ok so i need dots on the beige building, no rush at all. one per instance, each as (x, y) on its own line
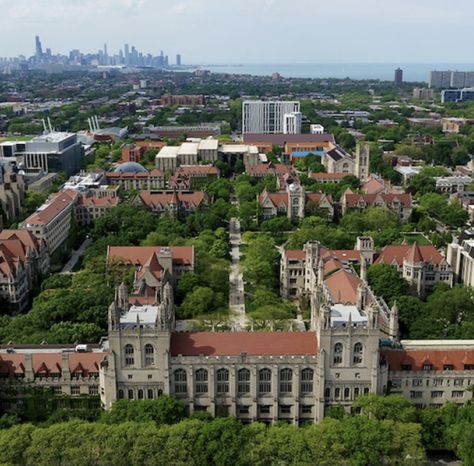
(399, 204)
(24, 259)
(137, 180)
(293, 202)
(12, 193)
(52, 221)
(421, 266)
(337, 160)
(460, 257)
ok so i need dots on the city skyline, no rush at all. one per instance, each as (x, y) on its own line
(249, 32)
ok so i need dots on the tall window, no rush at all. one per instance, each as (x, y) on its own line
(222, 378)
(140, 394)
(180, 385)
(243, 381)
(150, 394)
(286, 377)
(307, 376)
(129, 352)
(201, 379)
(120, 394)
(338, 353)
(264, 381)
(149, 355)
(130, 394)
(358, 353)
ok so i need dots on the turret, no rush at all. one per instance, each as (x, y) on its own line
(393, 324)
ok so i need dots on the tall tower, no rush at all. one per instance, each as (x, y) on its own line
(362, 162)
(178, 59)
(398, 77)
(38, 48)
(296, 197)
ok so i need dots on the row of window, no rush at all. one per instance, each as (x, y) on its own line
(429, 367)
(264, 381)
(140, 394)
(345, 393)
(437, 394)
(75, 390)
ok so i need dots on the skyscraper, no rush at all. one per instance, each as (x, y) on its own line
(127, 54)
(39, 49)
(398, 77)
(178, 60)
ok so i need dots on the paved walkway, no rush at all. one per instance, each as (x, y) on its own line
(236, 291)
(76, 255)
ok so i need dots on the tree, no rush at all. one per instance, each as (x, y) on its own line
(163, 410)
(200, 301)
(391, 407)
(386, 282)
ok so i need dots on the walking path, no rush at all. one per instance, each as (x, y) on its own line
(236, 291)
(76, 255)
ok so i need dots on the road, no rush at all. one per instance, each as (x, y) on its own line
(71, 263)
(236, 280)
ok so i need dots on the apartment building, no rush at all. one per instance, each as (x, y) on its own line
(268, 117)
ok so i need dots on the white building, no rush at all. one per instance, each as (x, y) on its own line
(292, 123)
(266, 117)
(316, 129)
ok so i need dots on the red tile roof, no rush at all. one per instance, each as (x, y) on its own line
(197, 170)
(94, 201)
(14, 363)
(296, 254)
(328, 176)
(140, 255)
(52, 209)
(190, 200)
(235, 343)
(417, 358)
(343, 287)
(395, 254)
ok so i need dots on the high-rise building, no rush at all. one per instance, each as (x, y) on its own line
(457, 95)
(423, 93)
(39, 49)
(266, 117)
(451, 79)
(178, 60)
(398, 77)
(292, 123)
(127, 54)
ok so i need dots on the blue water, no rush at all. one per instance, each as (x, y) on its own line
(383, 71)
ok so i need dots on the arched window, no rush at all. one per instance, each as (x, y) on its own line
(129, 352)
(307, 376)
(356, 392)
(358, 353)
(201, 378)
(222, 379)
(286, 378)
(130, 394)
(140, 394)
(150, 394)
(264, 381)
(243, 381)
(327, 392)
(337, 393)
(180, 385)
(149, 355)
(338, 349)
(347, 393)
(120, 394)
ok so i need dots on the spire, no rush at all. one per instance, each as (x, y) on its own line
(363, 269)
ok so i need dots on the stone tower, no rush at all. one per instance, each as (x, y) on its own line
(362, 161)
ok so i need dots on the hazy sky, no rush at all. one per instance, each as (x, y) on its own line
(248, 31)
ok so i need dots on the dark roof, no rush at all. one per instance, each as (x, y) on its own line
(282, 139)
(337, 153)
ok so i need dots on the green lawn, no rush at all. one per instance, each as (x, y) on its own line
(419, 238)
(16, 138)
